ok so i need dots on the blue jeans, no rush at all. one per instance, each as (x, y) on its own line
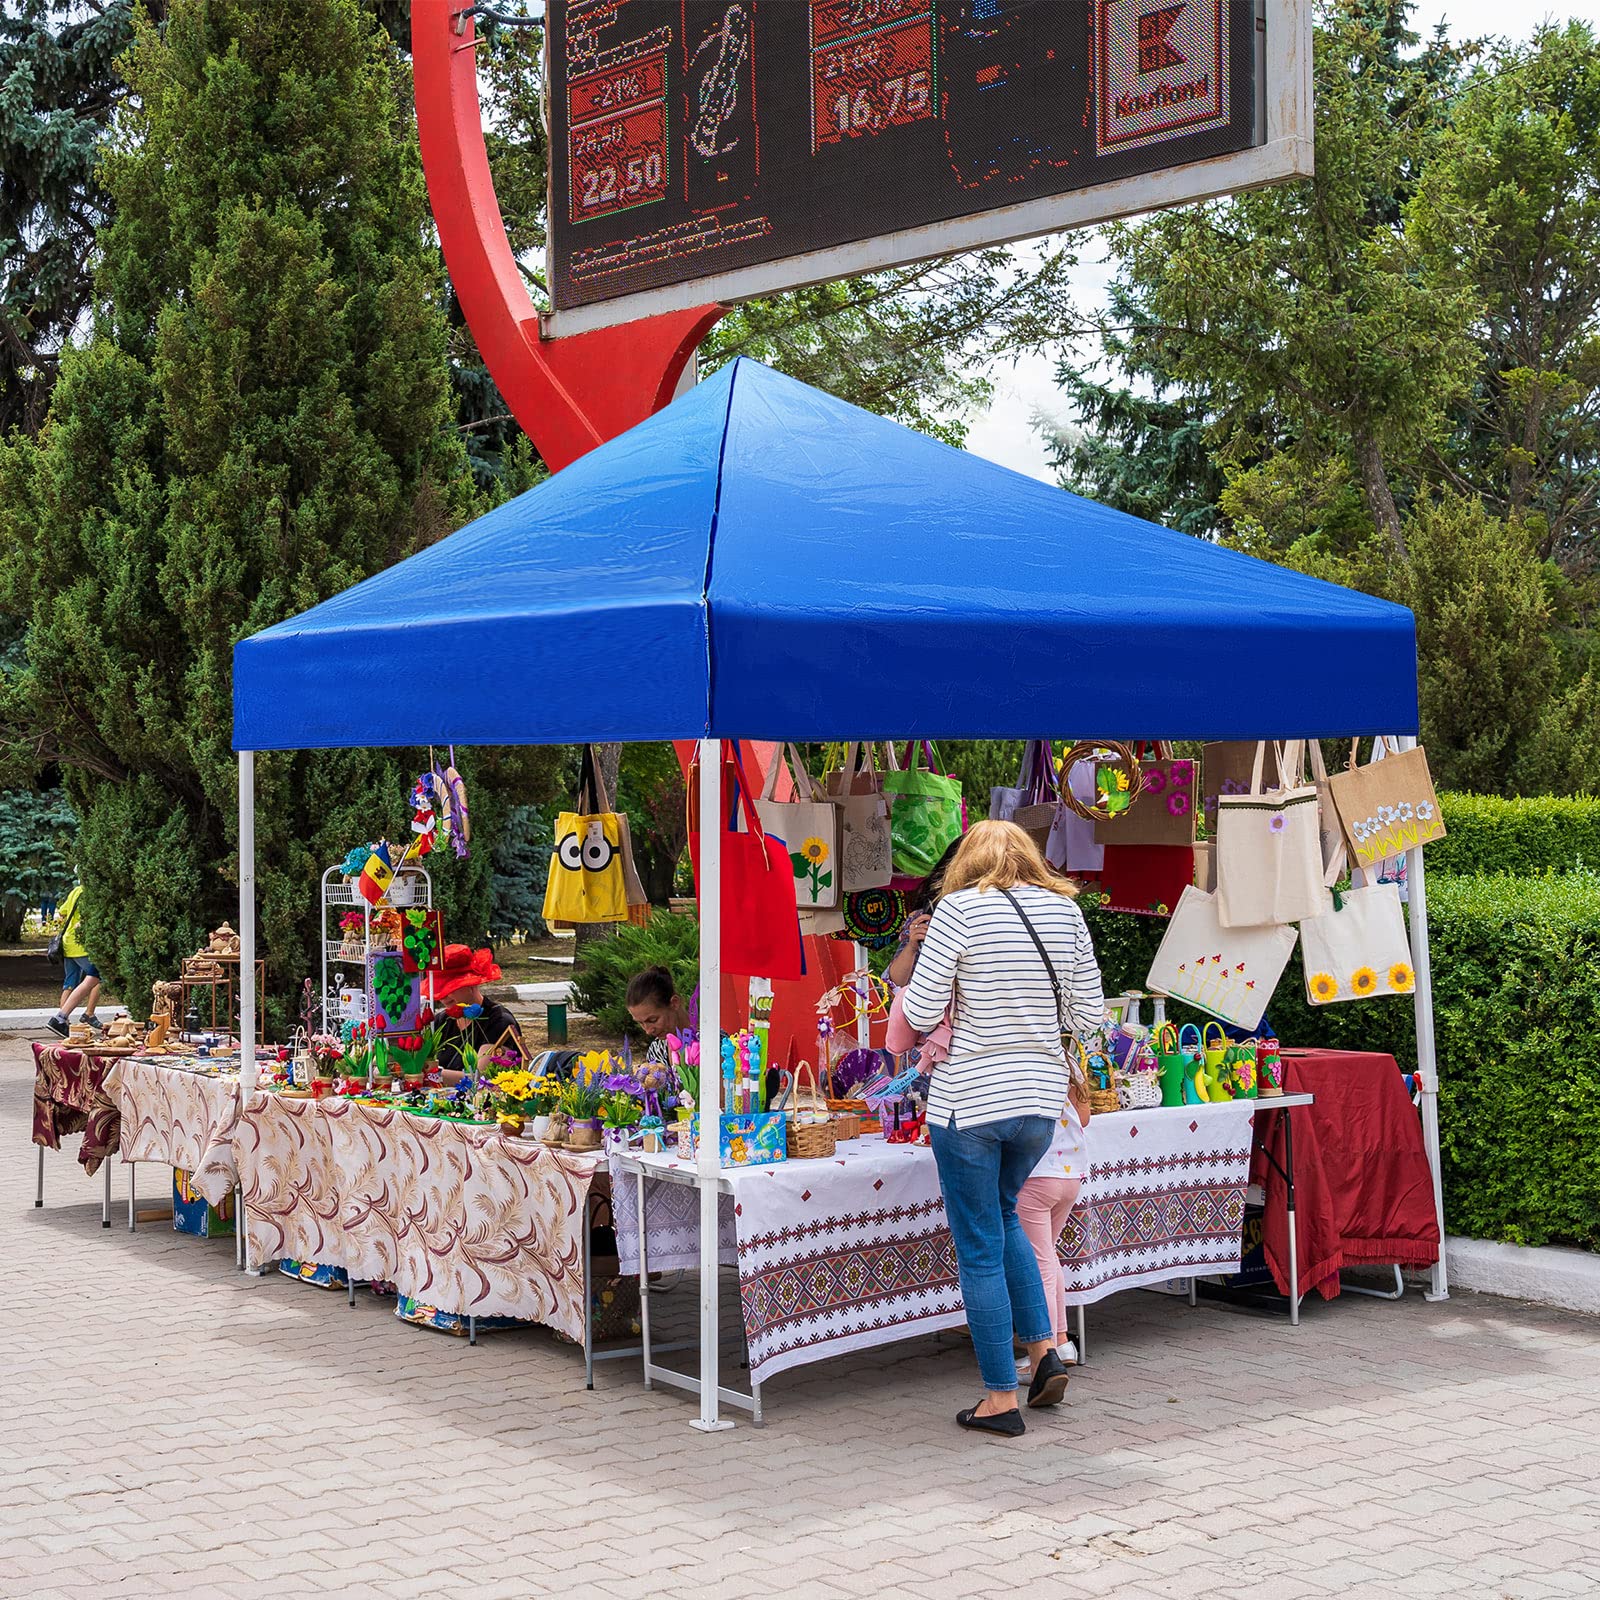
(980, 1171)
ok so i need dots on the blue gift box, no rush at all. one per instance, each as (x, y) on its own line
(750, 1139)
(192, 1213)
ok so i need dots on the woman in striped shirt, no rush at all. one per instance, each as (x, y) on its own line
(1011, 948)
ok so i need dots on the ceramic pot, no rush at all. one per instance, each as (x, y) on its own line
(540, 1126)
(616, 1138)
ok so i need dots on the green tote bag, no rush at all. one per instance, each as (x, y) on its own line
(926, 811)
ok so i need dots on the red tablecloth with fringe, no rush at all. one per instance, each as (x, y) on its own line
(1363, 1193)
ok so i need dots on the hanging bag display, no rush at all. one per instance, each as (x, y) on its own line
(866, 849)
(1225, 768)
(1388, 806)
(925, 812)
(1072, 846)
(1162, 811)
(1036, 814)
(587, 881)
(1227, 972)
(1269, 850)
(809, 826)
(760, 935)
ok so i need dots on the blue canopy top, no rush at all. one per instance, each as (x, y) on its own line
(762, 560)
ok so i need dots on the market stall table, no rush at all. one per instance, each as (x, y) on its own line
(177, 1113)
(1364, 1192)
(852, 1251)
(459, 1216)
(69, 1096)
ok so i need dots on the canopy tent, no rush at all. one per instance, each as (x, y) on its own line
(790, 567)
(761, 560)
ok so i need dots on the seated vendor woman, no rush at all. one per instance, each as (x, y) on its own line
(653, 1003)
(461, 1010)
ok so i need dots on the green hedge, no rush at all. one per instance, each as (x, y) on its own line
(1541, 833)
(1516, 990)
(600, 986)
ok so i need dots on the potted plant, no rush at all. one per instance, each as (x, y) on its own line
(580, 1099)
(352, 936)
(620, 1112)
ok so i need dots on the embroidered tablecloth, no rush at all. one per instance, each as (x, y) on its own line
(854, 1251)
(180, 1118)
(457, 1216)
(69, 1097)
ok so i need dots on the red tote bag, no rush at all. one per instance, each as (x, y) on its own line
(1146, 879)
(760, 919)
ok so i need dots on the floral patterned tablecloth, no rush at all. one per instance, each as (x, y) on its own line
(854, 1251)
(456, 1216)
(179, 1118)
(69, 1096)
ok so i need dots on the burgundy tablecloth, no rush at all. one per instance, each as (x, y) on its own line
(1363, 1192)
(69, 1096)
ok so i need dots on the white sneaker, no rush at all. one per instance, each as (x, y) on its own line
(1068, 1352)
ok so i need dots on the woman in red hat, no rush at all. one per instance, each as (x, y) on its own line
(461, 1010)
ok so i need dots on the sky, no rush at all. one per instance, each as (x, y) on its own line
(1004, 432)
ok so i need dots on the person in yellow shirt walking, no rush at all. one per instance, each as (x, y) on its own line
(80, 977)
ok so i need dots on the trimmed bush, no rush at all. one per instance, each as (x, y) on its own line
(1516, 1001)
(601, 985)
(1536, 834)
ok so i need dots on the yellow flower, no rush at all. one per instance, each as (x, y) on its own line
(1401, 978)
(1323, 987)
(1122, 780)
(815, 851)
(1363, 981)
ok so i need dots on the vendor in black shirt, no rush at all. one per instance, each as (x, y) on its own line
(461, 1011)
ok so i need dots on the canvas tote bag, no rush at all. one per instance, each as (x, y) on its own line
(1036, 815)
(1228, 972)
(1269, 849)
(1389, 806)
(866, 850)
(1225, 768)
(1359, 949)
(587, 882)
(809, 826)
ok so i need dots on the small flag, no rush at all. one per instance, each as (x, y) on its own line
(376, 875)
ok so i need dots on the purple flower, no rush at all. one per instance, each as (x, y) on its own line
(1178, 803)
(1277, 824)
(1155, 780)
(1182, 771)
(622, 1083)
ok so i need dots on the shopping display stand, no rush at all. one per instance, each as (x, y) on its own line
(758, 527)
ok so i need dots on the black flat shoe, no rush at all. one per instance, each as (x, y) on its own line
(1049, 1384)
(1008, 1424)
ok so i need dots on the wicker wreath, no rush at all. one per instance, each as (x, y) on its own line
(1126, 761)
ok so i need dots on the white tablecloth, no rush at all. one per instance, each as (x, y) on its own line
(854, 1251)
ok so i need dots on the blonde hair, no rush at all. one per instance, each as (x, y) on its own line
(999, 855)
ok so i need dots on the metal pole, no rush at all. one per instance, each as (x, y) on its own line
(1427, 1053)
(709, 1163)
(247, 962)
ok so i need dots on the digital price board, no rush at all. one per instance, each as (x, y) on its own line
(740, 146)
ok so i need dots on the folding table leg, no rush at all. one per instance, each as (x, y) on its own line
(644, 1280)
(38, 1198)
(1083, 1336)
(1294, 1226)
(588, 1290)
(132, 1196)
(105, 1201)
(472, 1328)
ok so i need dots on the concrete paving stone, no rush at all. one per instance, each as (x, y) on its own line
(167, 1419)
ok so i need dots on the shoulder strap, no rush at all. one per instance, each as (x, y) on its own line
(1044, 955)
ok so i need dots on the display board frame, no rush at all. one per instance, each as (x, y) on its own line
(1283, 115)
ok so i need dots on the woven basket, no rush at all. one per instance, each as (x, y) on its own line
(807, 1141)
(1136, 1090)
(1103, 1100)
(847, 1125)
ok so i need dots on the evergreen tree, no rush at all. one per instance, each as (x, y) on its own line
(259, 418)
(57, 93)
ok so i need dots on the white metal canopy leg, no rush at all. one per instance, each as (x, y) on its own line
(710, 1108)
(247, 959)
(1427, 1055)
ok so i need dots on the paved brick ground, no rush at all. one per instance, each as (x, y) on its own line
(168, 1427)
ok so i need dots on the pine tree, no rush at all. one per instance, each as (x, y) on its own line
(260, 417)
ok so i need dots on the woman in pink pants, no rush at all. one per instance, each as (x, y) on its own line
(1046, 1199)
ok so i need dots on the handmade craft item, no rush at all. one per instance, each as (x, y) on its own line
(874, 917)
(1162, 811)
(866, 846)
(1116, 779)
(1388, 806)
(586, 882)
(1228, 972)
(1269, 848)
(808, 825)
(1359, 949)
